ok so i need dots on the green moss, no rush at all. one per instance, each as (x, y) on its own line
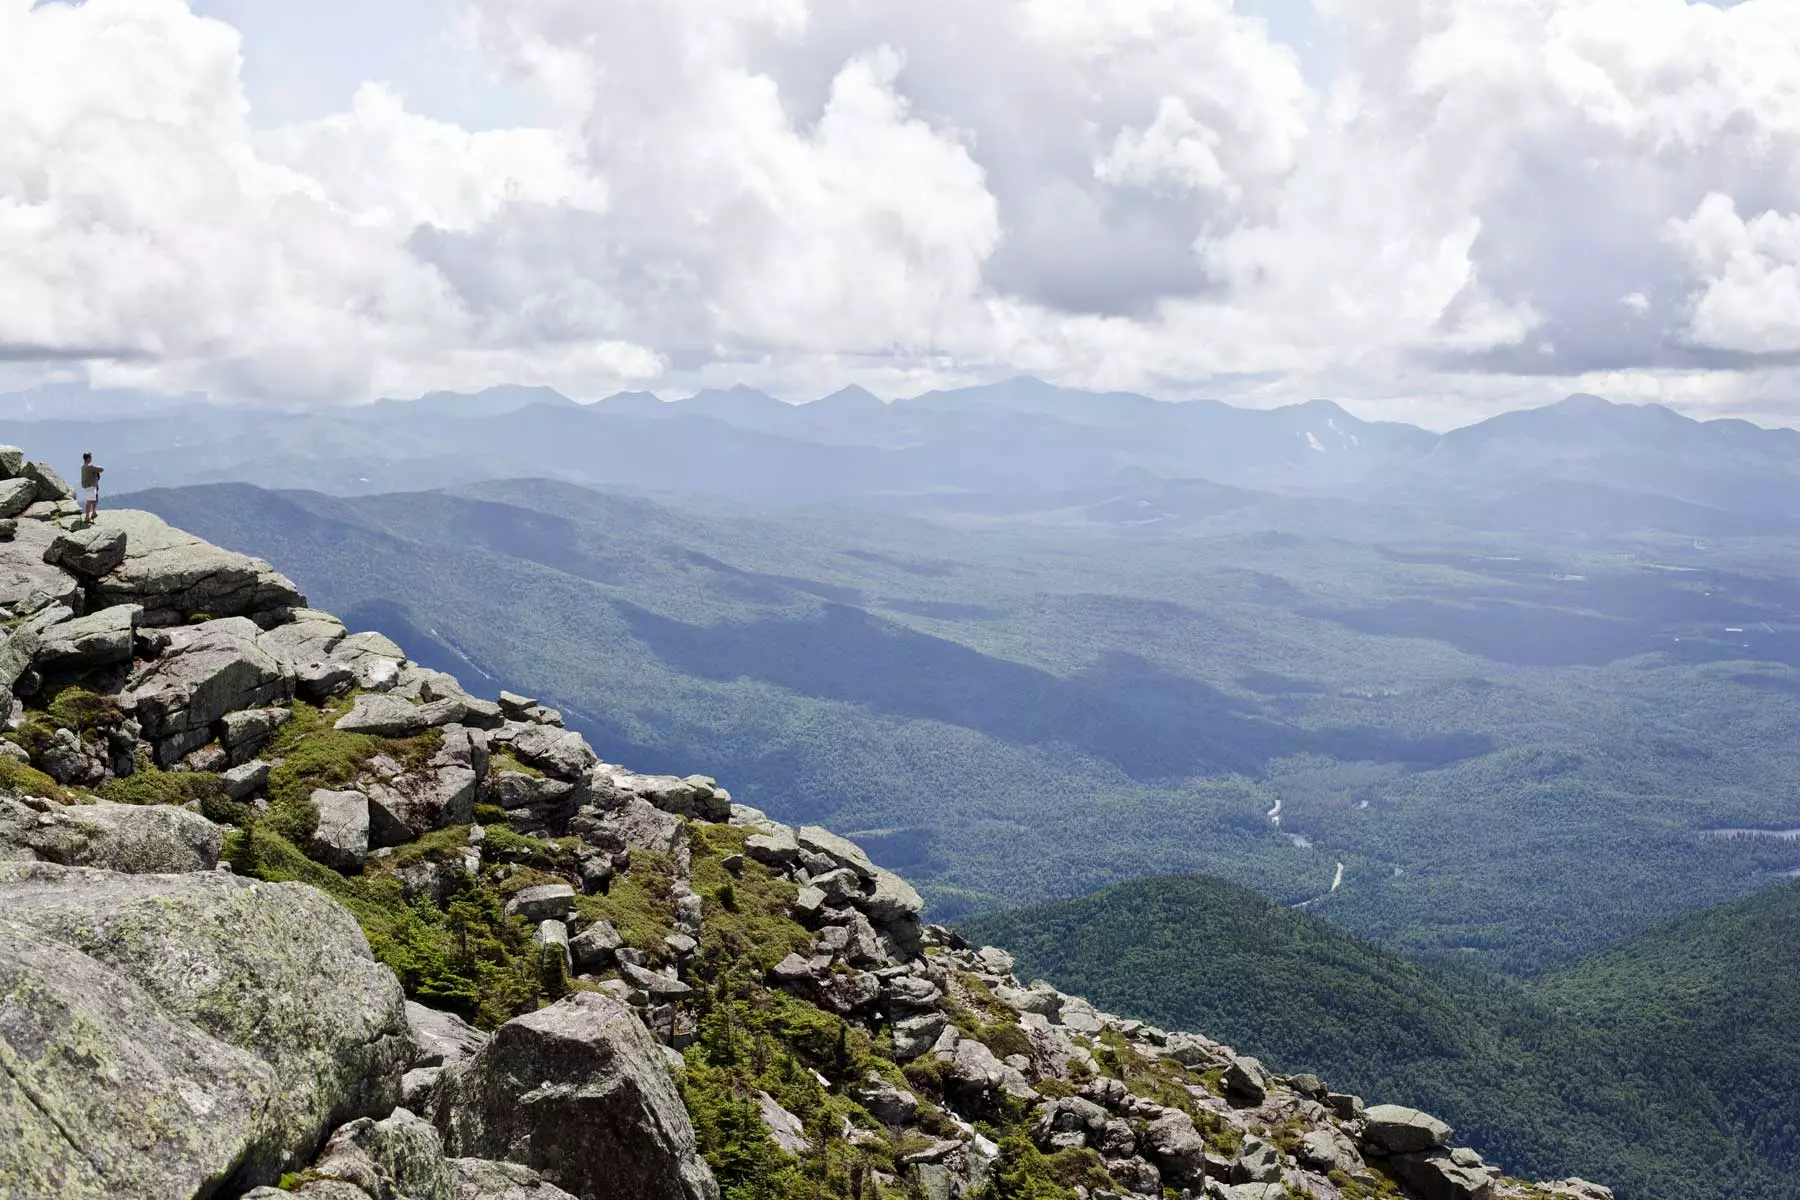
(468, 957)
(83, 711)
(640, 905)
(314, 755)
(148, 785)
(15, 776)
(505, 760)
(503, 845)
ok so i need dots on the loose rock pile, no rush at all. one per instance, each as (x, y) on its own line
(172, 1028)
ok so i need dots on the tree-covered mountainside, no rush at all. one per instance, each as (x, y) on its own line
(1666, 1066)
(1712, 1002)
(1515, 750)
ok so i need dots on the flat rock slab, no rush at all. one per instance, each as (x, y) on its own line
(175, 575)
(83, 643)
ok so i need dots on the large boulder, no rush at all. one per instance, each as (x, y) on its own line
(89, 552)
(207, 671)
(126, 838)
(50, 485)
(579, 1092)
(1435, 1175)
(414, 803)
(342, 836)
(308, 635)
(16, 495)
(179, 1033)
(175, 575)
(374, 660)
(561, 753)
(1396, 1129)
(24, 574)
(82, 643)
(391, 716)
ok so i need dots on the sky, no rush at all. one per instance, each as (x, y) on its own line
(1430, 210)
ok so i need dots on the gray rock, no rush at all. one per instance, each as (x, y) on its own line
(126, 838)
(1246, 1081)
(27, 583)
(593, 948)
(885, 1102)
(400, 1156)
(50, 485)
(242, 734)
(246, 779)
(207, 671)
(1173, 1143)
(517, 707)
(440, 1039)
(89, 553)
(660, 987)
(227, 1023)
(479, 1179)
(175, 575)
(308, 636)
(373, 658)
(342, 837)
(1435, 1175)
(317, 681)
(892, 899)
(390, 716)
(532, 803)
(777, 849)
(560, 753)
(413, 804)
(842, 851)
(577, 1091)
(1396, 1129)
(12, 461)
(546, 902)
(552, 939)
(915, 1035)
(785, 1129)
(840, 886)
(647, 827)
(1257, 1162)
(1345, 1106)
(16, 495)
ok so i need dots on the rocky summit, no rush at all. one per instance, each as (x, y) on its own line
(283, 912)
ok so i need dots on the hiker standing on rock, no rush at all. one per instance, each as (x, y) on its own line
(90, 487)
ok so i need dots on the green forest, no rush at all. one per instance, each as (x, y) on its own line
(1667, 1066)
(1515, 751)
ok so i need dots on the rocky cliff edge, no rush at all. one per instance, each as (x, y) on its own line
(281, 909)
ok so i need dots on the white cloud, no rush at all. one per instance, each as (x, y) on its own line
(1489, 198)
(1751, 275)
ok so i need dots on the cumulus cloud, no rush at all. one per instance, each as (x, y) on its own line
(1487, 198)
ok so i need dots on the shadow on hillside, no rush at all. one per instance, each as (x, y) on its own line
(1150, 723)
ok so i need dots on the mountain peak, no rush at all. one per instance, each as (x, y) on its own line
(854, 394)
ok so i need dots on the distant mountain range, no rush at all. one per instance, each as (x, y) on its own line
(1583, 466)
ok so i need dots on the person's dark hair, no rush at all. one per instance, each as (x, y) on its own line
(88, 456)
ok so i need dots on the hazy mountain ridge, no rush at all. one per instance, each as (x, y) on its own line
(1021, 439)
